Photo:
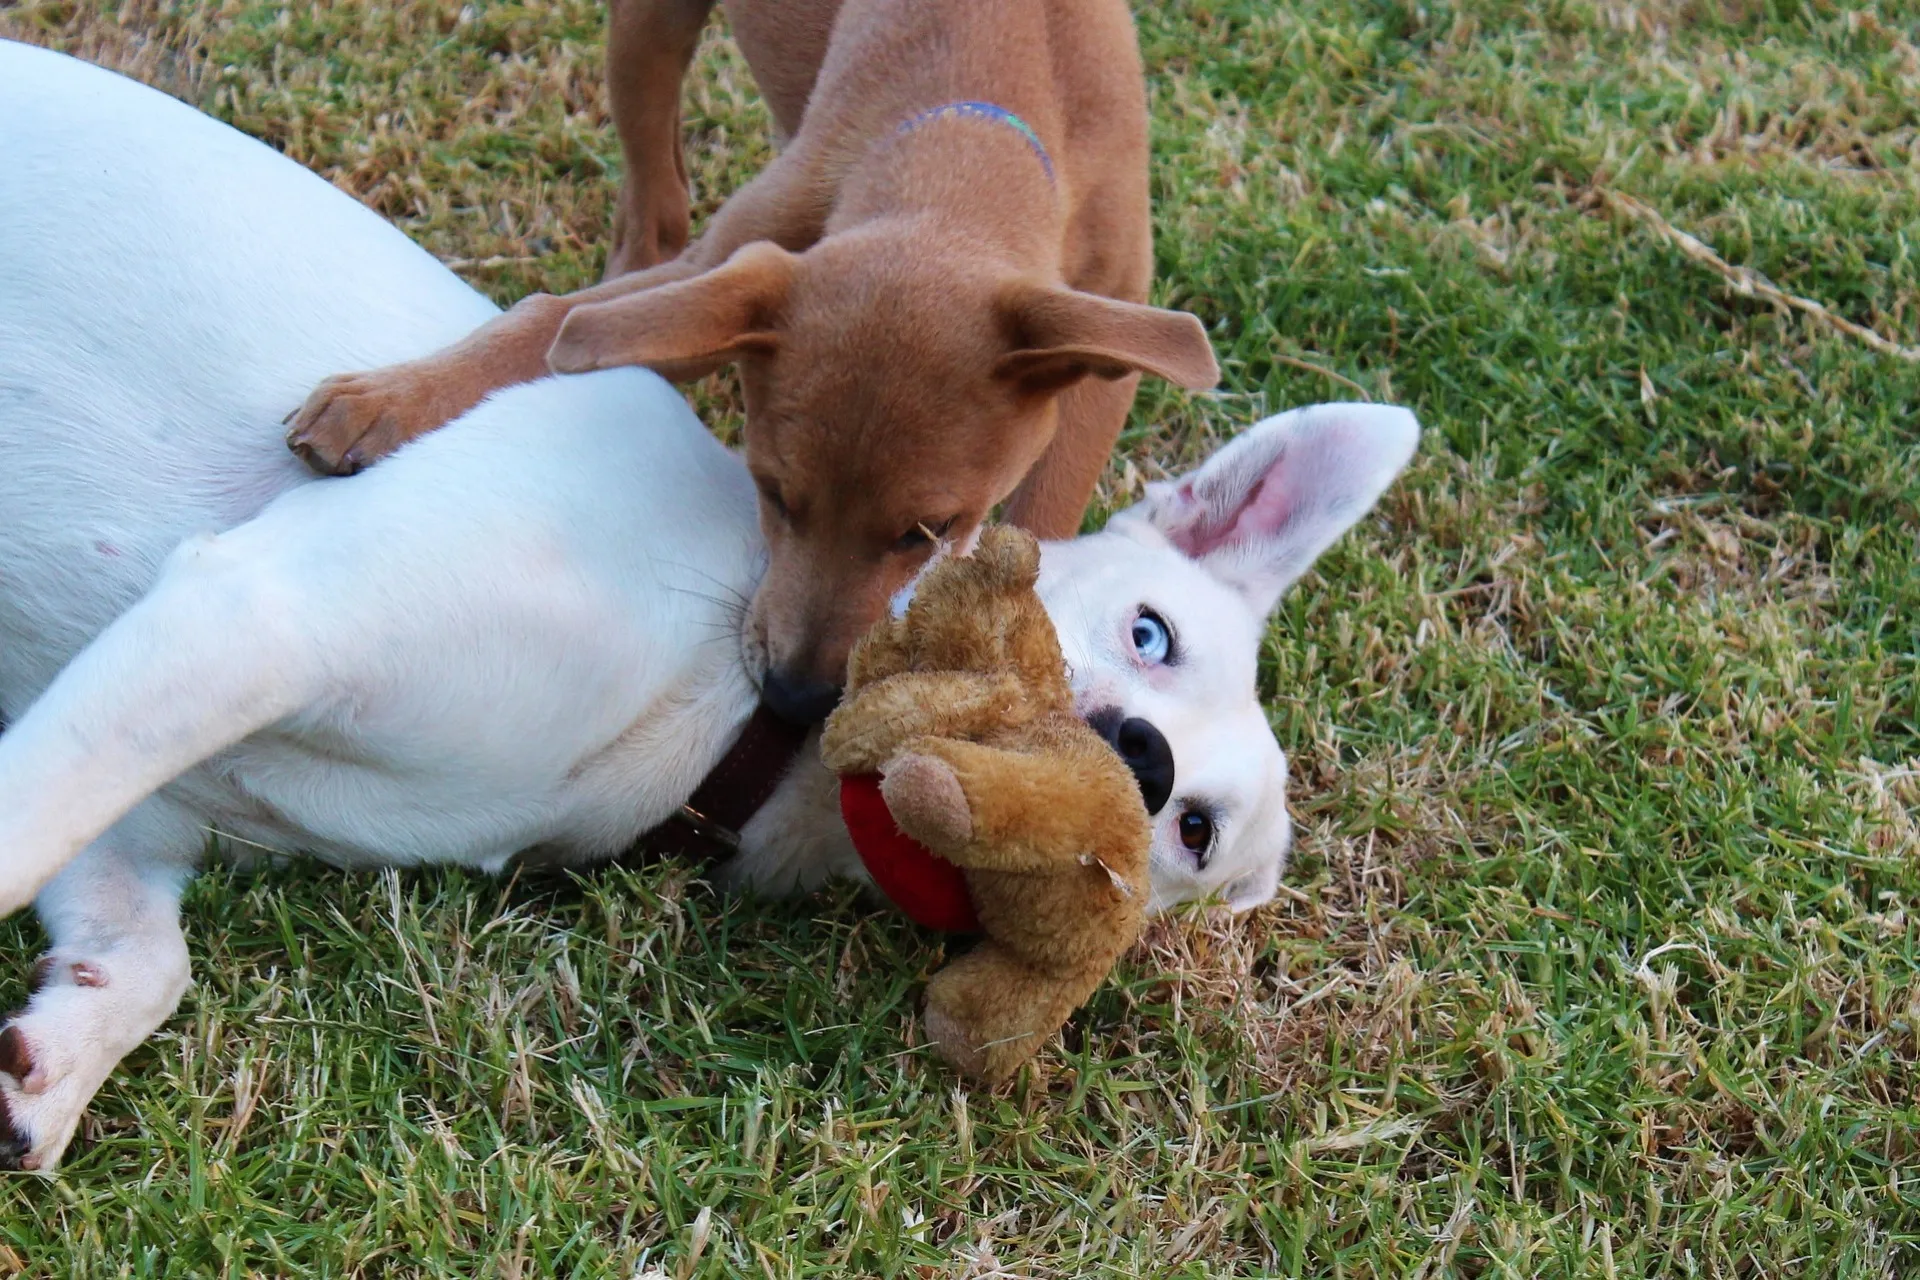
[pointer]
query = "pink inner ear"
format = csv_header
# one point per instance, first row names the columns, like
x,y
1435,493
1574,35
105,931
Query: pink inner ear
x,y
1259,515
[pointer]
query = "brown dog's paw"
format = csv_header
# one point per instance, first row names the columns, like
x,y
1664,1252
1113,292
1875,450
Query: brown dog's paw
x,y
925,797
648,237
353,420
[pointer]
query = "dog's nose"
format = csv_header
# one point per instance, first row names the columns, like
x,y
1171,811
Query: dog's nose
x,y
1144,748
797,699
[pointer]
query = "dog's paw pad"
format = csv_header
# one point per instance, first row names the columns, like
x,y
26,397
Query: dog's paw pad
x,y
16,1059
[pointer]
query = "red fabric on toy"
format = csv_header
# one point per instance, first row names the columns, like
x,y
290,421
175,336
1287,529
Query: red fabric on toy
x,y
928,889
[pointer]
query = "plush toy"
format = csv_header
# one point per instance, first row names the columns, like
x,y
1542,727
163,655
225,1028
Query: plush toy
x,y
980,802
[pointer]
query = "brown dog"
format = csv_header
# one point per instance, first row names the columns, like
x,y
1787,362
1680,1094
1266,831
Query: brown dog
x,y
934,291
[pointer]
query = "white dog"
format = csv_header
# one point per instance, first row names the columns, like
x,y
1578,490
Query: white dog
x,y
521,632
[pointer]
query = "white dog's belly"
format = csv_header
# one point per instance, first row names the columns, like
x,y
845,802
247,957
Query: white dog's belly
x,y
153,333
282,794
522,629
498,606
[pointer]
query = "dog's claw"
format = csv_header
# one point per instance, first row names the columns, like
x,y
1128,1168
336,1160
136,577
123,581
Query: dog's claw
x,y
353,420
322,430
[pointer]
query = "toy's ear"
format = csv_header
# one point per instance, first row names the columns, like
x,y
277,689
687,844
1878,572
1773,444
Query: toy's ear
x,y
688,326
1008,557
1259,512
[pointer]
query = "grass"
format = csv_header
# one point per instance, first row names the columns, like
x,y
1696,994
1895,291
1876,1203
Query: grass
x,y
1601,955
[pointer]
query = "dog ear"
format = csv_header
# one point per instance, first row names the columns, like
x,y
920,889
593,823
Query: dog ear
x,y
1259,512
696,324
1062,335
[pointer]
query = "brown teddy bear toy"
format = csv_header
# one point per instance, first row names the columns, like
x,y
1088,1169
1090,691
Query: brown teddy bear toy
x,y
963,710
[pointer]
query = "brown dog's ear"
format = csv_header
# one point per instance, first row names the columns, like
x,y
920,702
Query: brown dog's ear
x,y
1062,335
698,323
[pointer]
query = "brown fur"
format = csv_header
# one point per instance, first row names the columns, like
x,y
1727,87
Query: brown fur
x,y
964,709
926,326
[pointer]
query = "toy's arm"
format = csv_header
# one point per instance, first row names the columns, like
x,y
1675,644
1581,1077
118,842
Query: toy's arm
x,y
871,727
990,809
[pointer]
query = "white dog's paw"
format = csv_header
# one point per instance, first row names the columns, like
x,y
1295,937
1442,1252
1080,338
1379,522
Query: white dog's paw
x,y
44,1085
37,1115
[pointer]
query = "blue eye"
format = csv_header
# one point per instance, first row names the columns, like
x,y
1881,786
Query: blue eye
x,y
1151,638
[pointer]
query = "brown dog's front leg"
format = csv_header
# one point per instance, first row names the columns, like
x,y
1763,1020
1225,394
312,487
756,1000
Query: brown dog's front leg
x,y
650,44
1052,501
351,421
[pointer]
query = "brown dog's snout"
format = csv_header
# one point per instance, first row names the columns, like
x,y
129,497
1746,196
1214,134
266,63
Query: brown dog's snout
x,y
813,606
806,658
797,698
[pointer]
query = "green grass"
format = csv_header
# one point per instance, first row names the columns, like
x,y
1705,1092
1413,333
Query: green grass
x,y
1601,954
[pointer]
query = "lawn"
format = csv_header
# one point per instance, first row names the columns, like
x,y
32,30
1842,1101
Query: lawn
x,y
1601,952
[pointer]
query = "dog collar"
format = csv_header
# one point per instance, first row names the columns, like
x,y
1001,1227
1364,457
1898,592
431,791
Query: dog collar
x,y
708,825
983,111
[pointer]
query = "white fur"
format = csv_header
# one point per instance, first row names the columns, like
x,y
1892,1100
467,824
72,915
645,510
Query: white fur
x,y
522,632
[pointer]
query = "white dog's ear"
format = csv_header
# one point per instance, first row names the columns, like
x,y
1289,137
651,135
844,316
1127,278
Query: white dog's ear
x,y
1259,512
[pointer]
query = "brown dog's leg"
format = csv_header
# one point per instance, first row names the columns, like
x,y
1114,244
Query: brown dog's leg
x,y
784,43
353,420
650,44
1052,500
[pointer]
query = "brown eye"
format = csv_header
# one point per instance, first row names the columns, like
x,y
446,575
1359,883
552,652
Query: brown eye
x,y
923,534
774,504
1196,833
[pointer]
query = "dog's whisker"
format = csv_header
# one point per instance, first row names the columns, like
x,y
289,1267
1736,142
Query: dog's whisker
x,y
743,598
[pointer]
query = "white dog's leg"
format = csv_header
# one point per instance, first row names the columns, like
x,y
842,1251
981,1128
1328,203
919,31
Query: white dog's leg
x,y
211,654
116,971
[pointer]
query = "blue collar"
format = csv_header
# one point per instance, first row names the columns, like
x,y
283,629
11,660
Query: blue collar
x,y
984,111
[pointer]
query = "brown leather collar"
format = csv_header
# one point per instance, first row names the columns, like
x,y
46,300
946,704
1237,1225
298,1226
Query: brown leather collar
x,y
708,825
